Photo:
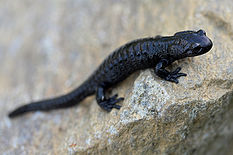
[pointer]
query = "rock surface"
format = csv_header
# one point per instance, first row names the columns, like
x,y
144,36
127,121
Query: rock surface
x,y
47,49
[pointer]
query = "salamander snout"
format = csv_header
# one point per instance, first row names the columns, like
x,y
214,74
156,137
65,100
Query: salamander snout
x,y
205,43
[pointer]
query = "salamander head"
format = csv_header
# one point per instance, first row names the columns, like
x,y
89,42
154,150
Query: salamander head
x,y
197,43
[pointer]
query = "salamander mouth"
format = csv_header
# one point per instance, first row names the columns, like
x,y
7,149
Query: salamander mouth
x,y
199,51
202,50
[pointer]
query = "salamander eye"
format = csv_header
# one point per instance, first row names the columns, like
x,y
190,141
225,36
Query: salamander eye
x,y
201,32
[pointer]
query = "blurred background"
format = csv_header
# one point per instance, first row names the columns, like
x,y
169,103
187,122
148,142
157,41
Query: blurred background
x,y
47,48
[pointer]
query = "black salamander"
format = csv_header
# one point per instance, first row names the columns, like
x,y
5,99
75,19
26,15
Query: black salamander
x,y
154,52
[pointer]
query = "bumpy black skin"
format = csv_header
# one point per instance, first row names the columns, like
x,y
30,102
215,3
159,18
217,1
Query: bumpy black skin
x,y
156,52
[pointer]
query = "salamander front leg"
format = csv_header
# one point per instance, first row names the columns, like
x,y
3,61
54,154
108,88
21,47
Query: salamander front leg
x,y
107,103
166,75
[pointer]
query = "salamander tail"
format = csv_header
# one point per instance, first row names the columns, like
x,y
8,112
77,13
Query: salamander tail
x,y
64,101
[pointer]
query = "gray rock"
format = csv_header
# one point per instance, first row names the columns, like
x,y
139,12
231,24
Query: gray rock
x,y
48,49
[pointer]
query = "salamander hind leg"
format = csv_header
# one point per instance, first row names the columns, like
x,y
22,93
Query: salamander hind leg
x,y
107,103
